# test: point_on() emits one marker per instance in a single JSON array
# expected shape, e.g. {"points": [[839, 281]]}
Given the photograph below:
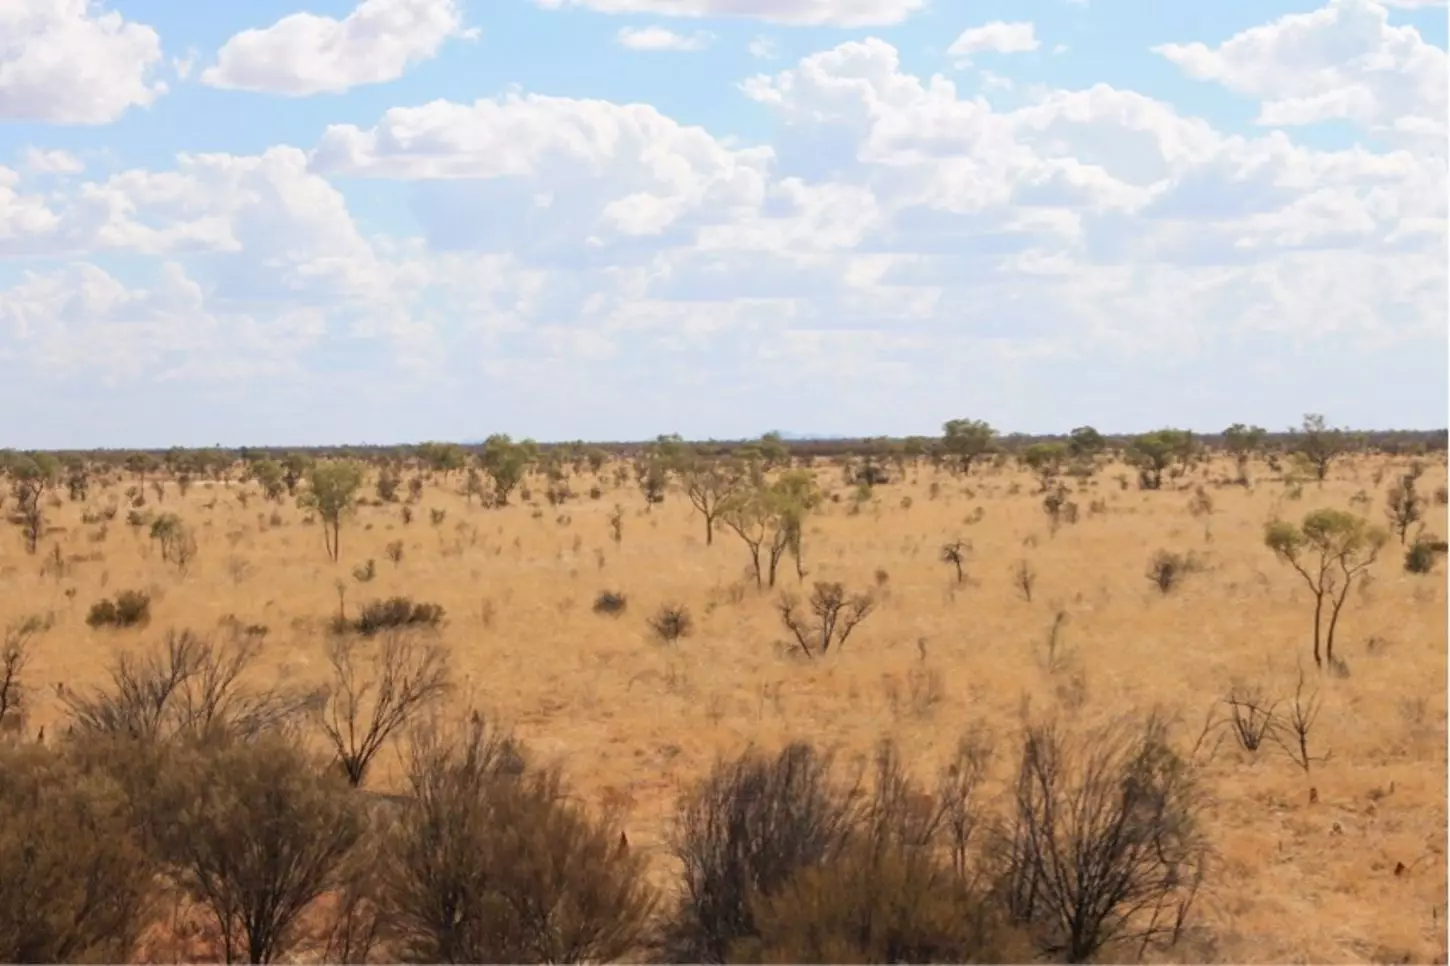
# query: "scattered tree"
{"points": [[836, 616], [332, 490], [1318, 445], [967, 440], [1328, 549]]}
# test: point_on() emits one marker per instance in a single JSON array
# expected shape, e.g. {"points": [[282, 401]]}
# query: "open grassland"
{"points": [[1305, 865]]}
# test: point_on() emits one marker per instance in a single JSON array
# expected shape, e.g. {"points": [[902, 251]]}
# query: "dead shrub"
{"points": [[836, 616], [372, 697], [192, 686], [671, 622], [74, 881], [1102, 845], [491, 861]]}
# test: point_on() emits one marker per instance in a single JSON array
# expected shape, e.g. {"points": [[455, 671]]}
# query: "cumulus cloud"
{"points": [[304, 53], [803, 13], [661, 38], [53, 161], [996, 37], [1342, 61], [895, 227], [74, 62]]}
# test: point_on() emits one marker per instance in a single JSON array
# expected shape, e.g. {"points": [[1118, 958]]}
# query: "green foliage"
{"points": [[1045, 460], [269, 476], [505, 462], [1085, 443], [331, 491], [1153, 453], [1329, 548], [1241, 440], [967, 440], [1318, 445]]}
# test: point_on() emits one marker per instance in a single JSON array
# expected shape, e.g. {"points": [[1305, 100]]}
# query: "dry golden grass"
{"points": [[633, 720]]}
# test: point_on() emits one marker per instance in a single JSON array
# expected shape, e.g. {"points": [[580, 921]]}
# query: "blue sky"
{"points": [[292, 222]]}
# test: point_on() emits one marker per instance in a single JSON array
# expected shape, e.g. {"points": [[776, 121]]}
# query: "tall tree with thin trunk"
{"points": [[1328, 549], [332, 488]]}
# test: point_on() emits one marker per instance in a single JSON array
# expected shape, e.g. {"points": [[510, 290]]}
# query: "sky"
{"points": [[312, 222]]}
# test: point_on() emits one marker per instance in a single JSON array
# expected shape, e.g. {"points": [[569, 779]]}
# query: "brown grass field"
{"points": [[634, 720]]}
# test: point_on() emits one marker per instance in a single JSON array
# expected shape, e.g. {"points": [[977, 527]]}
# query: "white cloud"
{"points": [[52, 162], [661, 38], [304, 53], [73, 62], [1342, 61], [997, 37], [763, 48], [834, 13], [895, 227]]}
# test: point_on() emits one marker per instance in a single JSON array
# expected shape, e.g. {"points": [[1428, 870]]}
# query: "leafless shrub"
{"points": [[955, 553], [263, 836], [836, 616], [74, 881], [1298, 722], [1102, 846], [491, 861], [1251, 717], [1024, 578], [740, 835], [193, 687], [670, 623], [14, 656], [373, 696]]}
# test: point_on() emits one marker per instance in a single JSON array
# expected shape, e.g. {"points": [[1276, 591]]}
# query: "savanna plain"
{"points": [[604, 633]]}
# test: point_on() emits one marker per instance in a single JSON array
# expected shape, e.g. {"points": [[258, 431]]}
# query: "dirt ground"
{"points": [[1306, 862]]}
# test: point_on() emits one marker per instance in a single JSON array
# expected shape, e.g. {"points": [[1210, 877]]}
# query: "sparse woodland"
{"points": [[972, 698]]}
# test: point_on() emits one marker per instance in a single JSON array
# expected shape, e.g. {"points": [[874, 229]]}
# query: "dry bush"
{"points": [[394, 613], [14, 656], [373, 696], [129, 608], [1424, 551], [74, 881], [1167, 569], [610, 602], [261, 833], [741, 834], [836, 616], [671, 622], [893, 904], [491, 861], [194, 686], [1102, 846]]}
